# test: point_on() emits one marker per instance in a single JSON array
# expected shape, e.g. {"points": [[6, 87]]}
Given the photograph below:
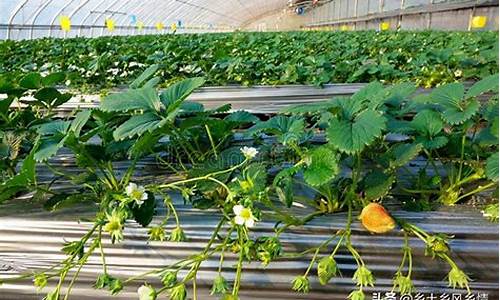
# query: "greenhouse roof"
{"points": [[37, 18]]}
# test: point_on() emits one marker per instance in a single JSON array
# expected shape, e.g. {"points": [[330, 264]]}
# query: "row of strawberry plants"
{"points": [[427, 58], [454, 133]]}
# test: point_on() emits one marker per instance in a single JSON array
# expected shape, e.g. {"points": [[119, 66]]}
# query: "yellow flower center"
{"points": [[112, 226], [136, 194], [246, 213]]}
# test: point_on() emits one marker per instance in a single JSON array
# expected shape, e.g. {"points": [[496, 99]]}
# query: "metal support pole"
{"points": [[429, 15], [355, 14], [401, 7], [472, 13]]}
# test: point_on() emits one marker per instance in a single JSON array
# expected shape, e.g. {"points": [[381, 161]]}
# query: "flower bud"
{"points": [[457, 277], [403, 284], [363, 276], [169, 278], [327, 268], [301, 284], [177, 235], [178, 292], [436, 245], [219, 286], [157, 233], [356, 295], [40, 281]]}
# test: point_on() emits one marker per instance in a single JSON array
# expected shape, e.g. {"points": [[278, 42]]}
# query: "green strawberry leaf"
{"points": [[448, 95], [492, 167], [135, 99], [138, 125], [402, 154], [322, 166], [352, 136], [489, 83], [428, 122], [377, 184], [456, 115]]}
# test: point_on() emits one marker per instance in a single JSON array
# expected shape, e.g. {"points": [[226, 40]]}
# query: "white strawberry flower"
{"points": [[243, 216], [249, 152], [146, 292], [136, 193]]}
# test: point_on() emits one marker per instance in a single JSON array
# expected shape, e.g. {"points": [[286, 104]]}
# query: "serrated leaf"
{"points": [[428, 122], [430, 143], [31, 81], [79, 121], [143, 99], [138, 125], [399, 92], [399, 126], [402, 154], [48, 147], [492, 167], [489, 83], [449, 94], [377, 184], [352, 137], [322, 166], [242, 117], [47, 94], [191, 107], [457, 115], [150, 71], [172, 96], [53, 79], [310, 108], [287, 128], [54, 127]]}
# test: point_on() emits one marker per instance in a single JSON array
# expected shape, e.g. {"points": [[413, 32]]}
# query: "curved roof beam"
{"points": [[37, 13], [121, 21], [151, 15], [13, 15], [88, 15], [100, 14], [53, 21], [165, 14]]}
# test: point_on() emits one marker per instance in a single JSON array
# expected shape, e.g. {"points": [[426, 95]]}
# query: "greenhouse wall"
{"points": [[404, 14]]}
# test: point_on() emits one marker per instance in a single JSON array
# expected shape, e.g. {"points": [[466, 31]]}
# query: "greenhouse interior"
{"points": [[249, 149]]}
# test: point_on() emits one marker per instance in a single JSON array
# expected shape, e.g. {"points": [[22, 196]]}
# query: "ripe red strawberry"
{"points": [[376, 219]]}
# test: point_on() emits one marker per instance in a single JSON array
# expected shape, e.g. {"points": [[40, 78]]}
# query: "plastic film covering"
{"points": [[28, 19]]}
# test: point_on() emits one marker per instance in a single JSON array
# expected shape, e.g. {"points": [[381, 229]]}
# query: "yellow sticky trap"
{"points": [[385, 26], [110, 24], [159, 26], [479, 21], [173, 26], [140, 25], [344, 28], [65, 23]]}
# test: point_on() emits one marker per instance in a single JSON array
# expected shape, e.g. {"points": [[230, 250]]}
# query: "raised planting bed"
{"points": [[31, 242]]}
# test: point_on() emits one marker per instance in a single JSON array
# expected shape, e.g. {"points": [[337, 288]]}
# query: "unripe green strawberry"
{"points": [[376, 219]]}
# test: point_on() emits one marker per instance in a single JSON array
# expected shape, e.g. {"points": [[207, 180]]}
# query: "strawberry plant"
{"points": [[317, 58], [349, 153]]}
